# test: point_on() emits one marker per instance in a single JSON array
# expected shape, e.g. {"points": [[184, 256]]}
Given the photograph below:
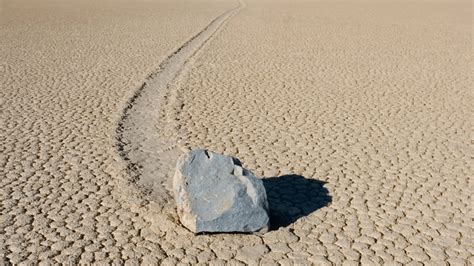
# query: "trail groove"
{"points": [[148, 153]]}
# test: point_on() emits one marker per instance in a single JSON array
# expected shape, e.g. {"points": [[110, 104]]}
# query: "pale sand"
{"points": [[371, 98]]}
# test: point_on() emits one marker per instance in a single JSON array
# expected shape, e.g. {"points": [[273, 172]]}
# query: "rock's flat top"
{"points": [[215, 194]]}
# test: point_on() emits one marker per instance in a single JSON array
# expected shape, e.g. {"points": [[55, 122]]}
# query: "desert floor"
{"points": [[356, 113]]}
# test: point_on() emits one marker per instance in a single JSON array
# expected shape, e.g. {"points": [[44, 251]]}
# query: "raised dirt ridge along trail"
{"points": [[149, 155]]}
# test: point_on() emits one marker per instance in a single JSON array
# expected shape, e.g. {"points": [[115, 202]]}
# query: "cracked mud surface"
{"points": [[357, 115], [371, 98], [66, 73]]}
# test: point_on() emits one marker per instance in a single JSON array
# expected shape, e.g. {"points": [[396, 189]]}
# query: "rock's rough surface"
{"points": [[215, 194]]}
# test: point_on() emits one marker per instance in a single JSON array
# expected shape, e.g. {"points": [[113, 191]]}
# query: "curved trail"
{"points": [[149, 153]]}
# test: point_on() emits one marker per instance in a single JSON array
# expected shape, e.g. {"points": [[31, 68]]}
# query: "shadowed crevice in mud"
{"points": [[291, 197]]}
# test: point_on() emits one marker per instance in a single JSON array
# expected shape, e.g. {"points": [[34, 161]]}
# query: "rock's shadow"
{"points": [[291, 197]]}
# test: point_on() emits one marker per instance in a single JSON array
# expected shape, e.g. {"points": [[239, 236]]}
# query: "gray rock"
{"points": [[214, 193]]}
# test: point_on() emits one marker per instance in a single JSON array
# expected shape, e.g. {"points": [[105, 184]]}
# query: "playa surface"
{"points": [[356, 113]]}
